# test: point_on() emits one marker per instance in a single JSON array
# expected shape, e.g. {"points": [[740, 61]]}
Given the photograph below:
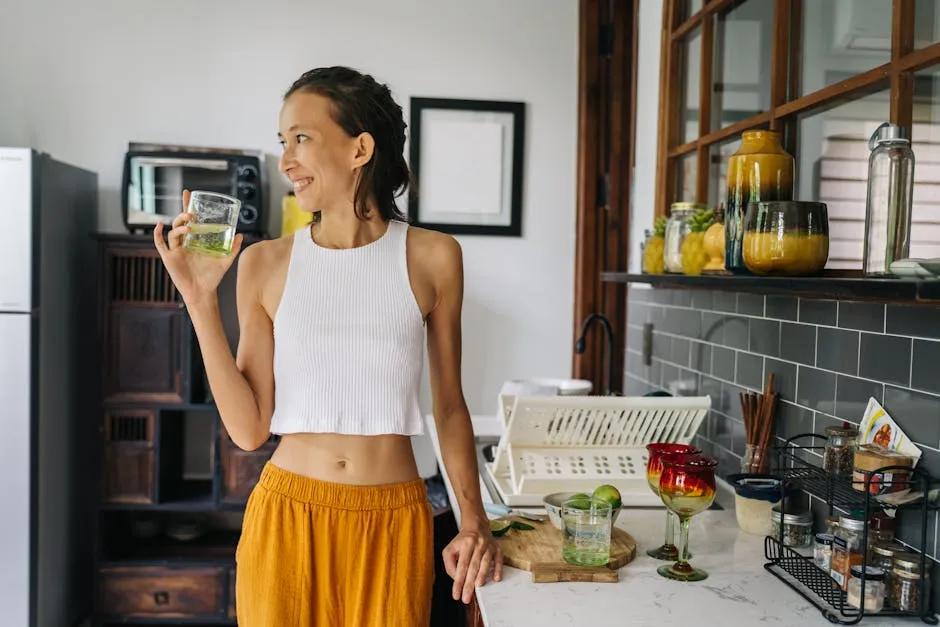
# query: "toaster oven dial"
{"points": [[247, 173], [248, 214], [246, 191]]}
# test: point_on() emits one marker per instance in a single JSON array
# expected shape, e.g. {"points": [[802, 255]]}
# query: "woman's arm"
{"points": [[473, 552], [243, 387]]}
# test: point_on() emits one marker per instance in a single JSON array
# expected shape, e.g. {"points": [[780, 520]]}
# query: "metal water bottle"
{"points": [[889, 200]]}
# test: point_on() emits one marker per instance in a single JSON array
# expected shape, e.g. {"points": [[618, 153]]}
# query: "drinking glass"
{"points": [[212, 229], [687, 487], [654, 467], [587, 525]]}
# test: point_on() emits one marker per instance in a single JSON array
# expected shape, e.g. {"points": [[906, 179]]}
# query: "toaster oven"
{"points": [[155, 176]]}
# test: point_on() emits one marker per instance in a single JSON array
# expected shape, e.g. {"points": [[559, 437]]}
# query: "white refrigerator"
{"points": [[48, 386]]}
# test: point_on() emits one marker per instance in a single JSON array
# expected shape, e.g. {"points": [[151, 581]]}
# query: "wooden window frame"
{"points": [[607, 69], [786, 54]]}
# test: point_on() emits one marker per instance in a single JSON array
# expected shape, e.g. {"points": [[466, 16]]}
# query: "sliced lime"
{"points": [[499, 527], [521, 525]]}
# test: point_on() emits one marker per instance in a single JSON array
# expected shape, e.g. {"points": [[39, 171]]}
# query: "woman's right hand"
{"points": [[195, 276]]}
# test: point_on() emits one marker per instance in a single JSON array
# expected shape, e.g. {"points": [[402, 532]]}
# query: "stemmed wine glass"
{"points": [[654, 467], [687, 487]]}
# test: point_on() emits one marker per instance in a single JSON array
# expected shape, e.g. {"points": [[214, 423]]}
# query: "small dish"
{"points": [[930, 265], [910, 268]]}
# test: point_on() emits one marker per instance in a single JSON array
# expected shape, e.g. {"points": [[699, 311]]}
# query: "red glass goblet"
{"points": [[687, 487], [654, 467]]}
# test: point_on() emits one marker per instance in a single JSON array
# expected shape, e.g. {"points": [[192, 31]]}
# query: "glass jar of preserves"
{"points": [[797, 527], [786, 237], [677, 227], [847, 550], [874, 588], [839, 456]]}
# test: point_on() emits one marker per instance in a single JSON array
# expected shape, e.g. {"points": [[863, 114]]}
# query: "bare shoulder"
{"points": [[263, 266], [438, 253], [264, 257]]}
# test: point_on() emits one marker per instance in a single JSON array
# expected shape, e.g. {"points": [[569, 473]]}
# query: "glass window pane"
{"points": [[832, 167], [719, 154], [926, 23], [686, 177], [691, 8], [925, 135], [741, 63], [691, 64], [842, 38]]}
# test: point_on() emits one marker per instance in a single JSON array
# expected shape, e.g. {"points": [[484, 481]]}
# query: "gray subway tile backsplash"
{"points": [[862, 316], [798, 343], [837, 350], [885, 358], [925, 366], [818, 311], [828, 358]]}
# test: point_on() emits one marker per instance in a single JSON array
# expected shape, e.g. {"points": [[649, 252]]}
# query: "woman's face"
{"points": [[319, 158]]}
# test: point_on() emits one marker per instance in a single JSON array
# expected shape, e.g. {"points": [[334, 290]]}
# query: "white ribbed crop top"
{"points": [[348, 340]]}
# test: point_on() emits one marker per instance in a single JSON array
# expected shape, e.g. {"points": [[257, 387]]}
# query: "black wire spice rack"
{"points": [[800, 572]]}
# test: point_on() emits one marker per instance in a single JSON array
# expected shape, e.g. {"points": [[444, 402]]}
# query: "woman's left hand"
{"points": [[471, 557]]}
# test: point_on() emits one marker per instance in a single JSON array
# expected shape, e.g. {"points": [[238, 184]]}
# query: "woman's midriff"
{"points": [[350, 459]]}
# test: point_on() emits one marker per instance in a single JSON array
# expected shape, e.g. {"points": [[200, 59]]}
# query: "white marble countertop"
{"points": [[738, 591]]}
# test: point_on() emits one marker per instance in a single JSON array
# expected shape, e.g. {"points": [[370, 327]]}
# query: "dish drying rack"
{"points": [[575, 443]]}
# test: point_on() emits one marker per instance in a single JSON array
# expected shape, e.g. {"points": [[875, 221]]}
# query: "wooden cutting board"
{"points": [[539, 551]]}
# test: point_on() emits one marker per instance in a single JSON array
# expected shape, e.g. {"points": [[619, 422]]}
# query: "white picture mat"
{"points": [[466, 167]]}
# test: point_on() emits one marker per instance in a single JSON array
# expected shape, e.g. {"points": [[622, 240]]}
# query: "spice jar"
{"points": [[797, 527], [880, 530], [905, 581], [832, 525], [839, 457], [882, 556], [874, 588], [847, 549], [822, 550], [677, 227]]}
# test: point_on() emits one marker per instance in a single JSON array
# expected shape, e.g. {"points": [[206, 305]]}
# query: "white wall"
{"points": [[647, 118], [90, 76]]}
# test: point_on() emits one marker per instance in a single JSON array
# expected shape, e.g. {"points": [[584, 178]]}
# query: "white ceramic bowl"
{"points": [[553, 502], [567, 387]]}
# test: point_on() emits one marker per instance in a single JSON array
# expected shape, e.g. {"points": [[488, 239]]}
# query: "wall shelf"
{"points": [[834, 286]]}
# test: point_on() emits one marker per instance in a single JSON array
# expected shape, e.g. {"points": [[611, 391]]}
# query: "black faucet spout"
{"points": [[580, 346]]}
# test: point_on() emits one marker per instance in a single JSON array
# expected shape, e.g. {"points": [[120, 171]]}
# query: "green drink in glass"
{"points": [[212, 229]]}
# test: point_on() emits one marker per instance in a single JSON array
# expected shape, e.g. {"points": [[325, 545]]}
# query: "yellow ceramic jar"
{"points": [[786, 238]]}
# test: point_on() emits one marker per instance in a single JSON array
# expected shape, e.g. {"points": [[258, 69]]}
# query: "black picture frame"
{"points": [[420, 105]]}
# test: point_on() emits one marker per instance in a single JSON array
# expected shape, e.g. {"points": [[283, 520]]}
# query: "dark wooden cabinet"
{"points": [[148, 350], [129, 456], [163, 592], [173, 483], [241, 469]]}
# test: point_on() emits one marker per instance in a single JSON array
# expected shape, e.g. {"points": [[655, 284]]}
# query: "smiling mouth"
{"points": [[301, 184]]}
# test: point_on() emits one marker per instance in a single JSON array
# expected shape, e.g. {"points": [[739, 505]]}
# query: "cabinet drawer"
{"points": [[162, 592]]}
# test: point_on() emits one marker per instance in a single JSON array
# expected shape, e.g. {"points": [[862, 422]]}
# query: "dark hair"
{"points": [[360, 104]]}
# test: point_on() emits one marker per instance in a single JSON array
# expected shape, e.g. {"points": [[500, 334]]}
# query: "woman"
{"points": [[332, 320]]}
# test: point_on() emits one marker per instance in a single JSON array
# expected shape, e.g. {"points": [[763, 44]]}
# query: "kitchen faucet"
{"points": [[579, 345]]}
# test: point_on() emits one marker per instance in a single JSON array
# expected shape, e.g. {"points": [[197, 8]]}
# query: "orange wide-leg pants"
{"points": [[320, 554]]}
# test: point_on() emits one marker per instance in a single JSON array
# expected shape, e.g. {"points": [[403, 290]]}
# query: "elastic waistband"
{"points": [[341, 495]]}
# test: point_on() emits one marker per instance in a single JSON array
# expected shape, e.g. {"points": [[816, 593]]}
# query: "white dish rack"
{"points": [[575, 443]]}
